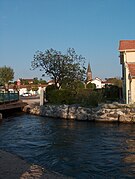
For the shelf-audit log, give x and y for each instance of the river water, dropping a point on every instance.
(73, 148)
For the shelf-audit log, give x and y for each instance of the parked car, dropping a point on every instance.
(26, 94)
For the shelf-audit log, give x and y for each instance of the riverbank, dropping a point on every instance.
(114, 112)
(13, 167)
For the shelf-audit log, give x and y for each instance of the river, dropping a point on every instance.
(73, 148)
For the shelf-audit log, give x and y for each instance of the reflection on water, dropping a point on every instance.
(78, 149)
(129, 157)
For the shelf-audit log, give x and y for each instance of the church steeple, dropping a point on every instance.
(89, 73)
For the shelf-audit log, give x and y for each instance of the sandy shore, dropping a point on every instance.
(13, 167)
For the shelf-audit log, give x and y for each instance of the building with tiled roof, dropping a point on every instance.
(127, 45)
(127, 60)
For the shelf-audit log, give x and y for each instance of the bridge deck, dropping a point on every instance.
(12, 105)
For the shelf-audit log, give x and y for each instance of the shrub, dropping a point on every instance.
(49, 90)
(89, 97)
(91, 86)
(61, 97)
(83, 97)
(111, 93)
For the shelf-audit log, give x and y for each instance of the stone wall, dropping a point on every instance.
(66, 112)
(114, 112)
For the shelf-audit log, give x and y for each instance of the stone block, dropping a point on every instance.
(125, 119)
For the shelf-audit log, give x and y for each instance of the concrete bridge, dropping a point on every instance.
(12, 105)
(9, 101)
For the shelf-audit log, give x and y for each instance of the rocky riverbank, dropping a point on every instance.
(114, 112)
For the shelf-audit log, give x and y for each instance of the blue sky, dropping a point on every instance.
(92, 27)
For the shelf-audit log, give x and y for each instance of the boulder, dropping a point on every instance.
(125, 119)
(35, 110)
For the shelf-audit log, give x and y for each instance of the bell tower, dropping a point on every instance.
(89, 73)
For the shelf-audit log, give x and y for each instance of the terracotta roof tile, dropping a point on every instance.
(126, 45)
(131, 67)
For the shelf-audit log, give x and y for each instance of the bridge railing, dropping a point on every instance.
(9, 97)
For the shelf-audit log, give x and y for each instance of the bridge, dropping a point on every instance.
(6, 97)
(10, 100)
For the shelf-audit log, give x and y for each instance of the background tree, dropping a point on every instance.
(6, 75)
(115, 81)
(35, 88)
(29, 88)
(35, 81)
(62, 68)
(24, 82)
(42, 82)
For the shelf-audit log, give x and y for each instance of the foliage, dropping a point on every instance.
(35, 81)
(24, 82)
(111, 93)
(65, 96)
(91, 86)
(0, 83)
(49, 91)
(74, 86)
(83, 97)
(29, 88)
(6, 75)
(62, 68)
(115, 81)
(89, 97)
(34, 88)
(41, 81)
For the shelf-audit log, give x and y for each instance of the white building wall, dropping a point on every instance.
(133, 91)
(97, 82)
(127, 84)
(130, 56)
(24, 90)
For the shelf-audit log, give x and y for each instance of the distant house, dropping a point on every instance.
(127, 60)
(32, 89)
(98, 82)
(26, 81)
